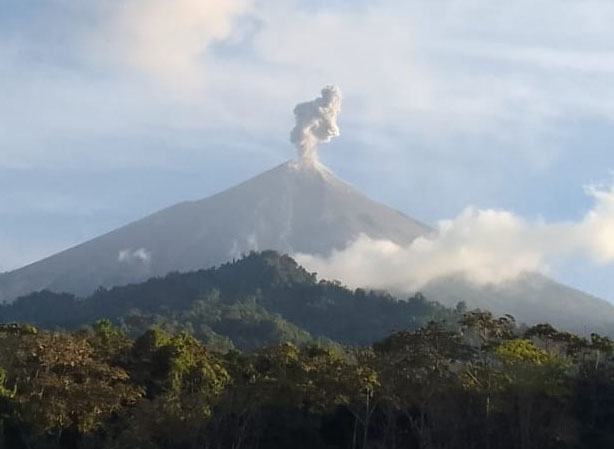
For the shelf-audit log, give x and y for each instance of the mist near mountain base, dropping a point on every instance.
(485, 246)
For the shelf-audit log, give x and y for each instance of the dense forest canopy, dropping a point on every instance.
(260, 354)
(484, 384)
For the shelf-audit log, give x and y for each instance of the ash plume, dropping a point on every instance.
(316, 122)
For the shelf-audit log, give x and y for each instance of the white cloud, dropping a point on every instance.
(430, 69)
(598, 227)
(169, 39)
(140, 255)
(486, 246)
(436, 69)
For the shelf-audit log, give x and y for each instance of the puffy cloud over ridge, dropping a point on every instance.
(485, 246)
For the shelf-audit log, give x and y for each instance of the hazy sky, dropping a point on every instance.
(112, 109)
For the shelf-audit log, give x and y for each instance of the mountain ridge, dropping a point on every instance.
(263, 296)
(294, 207)
(531, 298)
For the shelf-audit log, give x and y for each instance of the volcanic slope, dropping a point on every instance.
(295, 207)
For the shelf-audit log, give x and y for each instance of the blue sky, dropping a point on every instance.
(110, 110)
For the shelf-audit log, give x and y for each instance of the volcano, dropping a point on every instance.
(299, 207)
(295, 207)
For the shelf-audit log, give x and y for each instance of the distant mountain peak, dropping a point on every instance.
(298, 206)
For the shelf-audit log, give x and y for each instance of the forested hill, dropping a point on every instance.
(262, 299)
(483, 383)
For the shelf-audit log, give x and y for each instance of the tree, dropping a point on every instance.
(537, 388)
(59, 384)
(417, 369)
(182, 381)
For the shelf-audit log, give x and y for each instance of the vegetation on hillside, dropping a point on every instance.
(258, 354)
(262, 299)
(482, 385)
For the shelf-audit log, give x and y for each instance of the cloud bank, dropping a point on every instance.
(485, 246)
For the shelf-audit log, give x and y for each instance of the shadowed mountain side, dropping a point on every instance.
(261, 299)
(531, 298)
(291, 208)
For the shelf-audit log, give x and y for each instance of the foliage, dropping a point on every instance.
(260, 354)
(59, 383)
(434, 387)
(262, 299)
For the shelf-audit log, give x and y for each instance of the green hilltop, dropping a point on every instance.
(261, 299)
(260, 354)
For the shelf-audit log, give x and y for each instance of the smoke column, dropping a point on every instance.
(316, 122)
